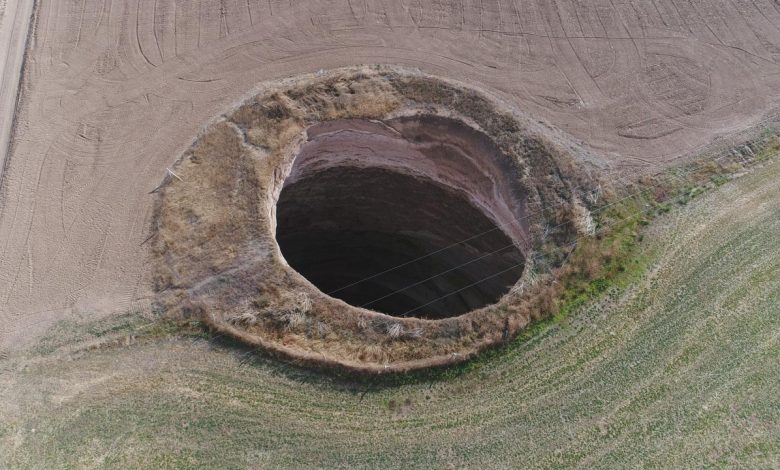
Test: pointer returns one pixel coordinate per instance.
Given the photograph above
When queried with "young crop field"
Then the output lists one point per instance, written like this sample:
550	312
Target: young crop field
678	368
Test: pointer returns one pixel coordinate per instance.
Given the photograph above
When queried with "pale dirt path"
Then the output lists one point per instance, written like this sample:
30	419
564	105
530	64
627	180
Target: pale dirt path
14	24
115	91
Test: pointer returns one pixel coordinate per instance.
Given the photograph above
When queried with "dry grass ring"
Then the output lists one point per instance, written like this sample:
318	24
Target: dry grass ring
425	210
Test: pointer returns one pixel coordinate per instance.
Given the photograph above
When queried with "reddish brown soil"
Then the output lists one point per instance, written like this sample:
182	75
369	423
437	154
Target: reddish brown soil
364	197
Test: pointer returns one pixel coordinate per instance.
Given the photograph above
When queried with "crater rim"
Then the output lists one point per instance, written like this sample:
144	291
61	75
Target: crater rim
215	257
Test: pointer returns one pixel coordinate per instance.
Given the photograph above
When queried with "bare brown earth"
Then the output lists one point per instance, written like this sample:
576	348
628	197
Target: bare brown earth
115	91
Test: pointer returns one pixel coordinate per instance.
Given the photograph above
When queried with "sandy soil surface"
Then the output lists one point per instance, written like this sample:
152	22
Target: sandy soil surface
115	91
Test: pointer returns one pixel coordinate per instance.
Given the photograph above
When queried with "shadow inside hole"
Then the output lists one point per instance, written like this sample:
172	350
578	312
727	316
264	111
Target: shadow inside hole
342	226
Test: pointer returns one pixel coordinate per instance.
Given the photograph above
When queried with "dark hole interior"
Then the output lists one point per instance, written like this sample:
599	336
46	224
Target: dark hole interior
396	243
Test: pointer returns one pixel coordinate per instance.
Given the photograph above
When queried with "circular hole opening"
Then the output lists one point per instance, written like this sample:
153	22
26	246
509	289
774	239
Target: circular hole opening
400	217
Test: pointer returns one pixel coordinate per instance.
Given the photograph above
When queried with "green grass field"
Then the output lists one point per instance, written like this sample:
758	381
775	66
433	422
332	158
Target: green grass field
680	369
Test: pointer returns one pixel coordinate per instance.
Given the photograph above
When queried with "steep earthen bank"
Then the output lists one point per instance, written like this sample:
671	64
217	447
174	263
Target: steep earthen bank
414	216
399	193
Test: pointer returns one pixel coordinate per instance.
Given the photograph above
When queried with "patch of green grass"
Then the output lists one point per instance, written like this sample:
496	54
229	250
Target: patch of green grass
620	226
668	359
770	148
719	180
131	324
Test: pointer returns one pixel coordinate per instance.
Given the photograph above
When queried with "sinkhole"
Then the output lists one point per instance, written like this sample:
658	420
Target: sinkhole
414	217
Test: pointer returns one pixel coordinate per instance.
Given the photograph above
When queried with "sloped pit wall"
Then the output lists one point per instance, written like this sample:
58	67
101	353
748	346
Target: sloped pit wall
426	193
216	257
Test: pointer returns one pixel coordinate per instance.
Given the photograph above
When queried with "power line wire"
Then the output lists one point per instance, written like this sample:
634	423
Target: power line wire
601	209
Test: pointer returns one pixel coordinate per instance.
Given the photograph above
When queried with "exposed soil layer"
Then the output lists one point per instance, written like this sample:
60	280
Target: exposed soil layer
323	183
402	217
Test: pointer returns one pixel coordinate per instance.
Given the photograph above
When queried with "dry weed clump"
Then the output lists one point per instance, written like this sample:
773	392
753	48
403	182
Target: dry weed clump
216	257
291	309
197	238
245	315
269	122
